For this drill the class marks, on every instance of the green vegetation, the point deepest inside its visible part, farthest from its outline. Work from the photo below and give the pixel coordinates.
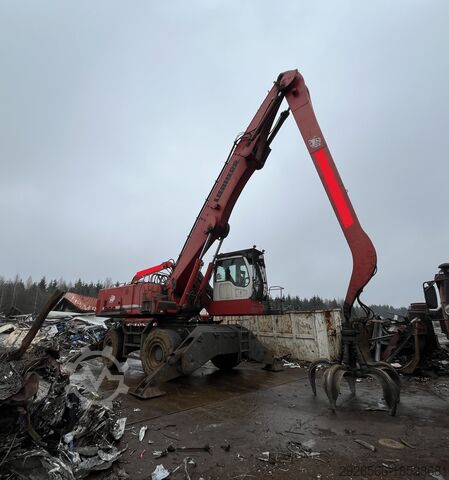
(315, 303)
(17, 297)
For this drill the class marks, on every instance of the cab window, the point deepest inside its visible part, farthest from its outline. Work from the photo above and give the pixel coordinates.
(232, 270)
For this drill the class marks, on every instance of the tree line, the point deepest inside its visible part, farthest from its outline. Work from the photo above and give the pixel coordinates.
(23, 297)
(295, 303)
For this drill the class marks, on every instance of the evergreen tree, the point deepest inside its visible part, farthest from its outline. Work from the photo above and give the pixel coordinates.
(43, 284)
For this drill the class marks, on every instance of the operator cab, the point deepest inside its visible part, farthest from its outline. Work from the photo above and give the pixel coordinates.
(240, 275)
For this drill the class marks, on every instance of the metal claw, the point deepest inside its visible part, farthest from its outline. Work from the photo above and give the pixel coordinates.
(392, 372)
(312, 371)
(331, 381)
(389, 387)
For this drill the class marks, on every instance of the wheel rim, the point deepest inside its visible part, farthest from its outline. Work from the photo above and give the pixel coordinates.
(113, 341)
(157, 354)
(109, 342)
(157, 347)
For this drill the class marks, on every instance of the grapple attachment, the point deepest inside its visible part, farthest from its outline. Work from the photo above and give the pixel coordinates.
(353, 365)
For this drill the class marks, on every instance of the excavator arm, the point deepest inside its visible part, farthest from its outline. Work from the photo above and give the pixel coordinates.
(249, 154)
(362, 249)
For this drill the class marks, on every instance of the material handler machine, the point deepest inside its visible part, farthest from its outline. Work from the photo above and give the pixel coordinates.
(158, 311)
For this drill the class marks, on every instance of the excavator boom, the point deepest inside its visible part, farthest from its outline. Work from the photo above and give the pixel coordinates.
(185, 289)
(250, 153)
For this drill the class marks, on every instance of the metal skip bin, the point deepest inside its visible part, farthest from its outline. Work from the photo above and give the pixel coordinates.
(305, 336)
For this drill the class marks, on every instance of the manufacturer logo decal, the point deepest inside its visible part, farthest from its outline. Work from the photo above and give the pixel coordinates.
(314, 142)
(226, 180)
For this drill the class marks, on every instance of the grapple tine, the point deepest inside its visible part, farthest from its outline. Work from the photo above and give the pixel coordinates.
(332, 378)
(326, 384)
(312, 372)
(392, 372)
(389, 388)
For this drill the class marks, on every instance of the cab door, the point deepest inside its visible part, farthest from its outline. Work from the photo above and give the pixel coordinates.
(233, 279)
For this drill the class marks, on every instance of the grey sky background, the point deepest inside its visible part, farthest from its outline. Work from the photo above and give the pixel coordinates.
(116, 118)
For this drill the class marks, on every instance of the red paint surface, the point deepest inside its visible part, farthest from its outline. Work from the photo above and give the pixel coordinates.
(333, 187)
(149, 271)
(236, 307)
(82, 302)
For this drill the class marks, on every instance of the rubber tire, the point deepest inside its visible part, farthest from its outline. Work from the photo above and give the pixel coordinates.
(156, 348)
(114, 338)
(227, 361)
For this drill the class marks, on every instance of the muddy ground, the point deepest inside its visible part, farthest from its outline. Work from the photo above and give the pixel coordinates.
(254, 411)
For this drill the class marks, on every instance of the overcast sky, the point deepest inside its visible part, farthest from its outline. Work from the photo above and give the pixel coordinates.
(116, 118)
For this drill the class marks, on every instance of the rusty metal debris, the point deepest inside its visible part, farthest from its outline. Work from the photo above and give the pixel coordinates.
(45, 426)
(294, 450)
(69, 333)
(364, 444)
(171, 448)
(204, 448)
(48, 428)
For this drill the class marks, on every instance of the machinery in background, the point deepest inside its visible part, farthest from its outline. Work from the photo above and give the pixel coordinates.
(412, 342)
(439, 310)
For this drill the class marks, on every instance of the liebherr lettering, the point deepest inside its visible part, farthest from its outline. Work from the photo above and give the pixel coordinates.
(226, 180)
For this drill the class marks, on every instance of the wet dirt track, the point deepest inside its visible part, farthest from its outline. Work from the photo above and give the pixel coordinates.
(255, 411)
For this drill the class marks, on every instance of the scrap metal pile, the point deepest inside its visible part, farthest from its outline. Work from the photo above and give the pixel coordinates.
(70, 332)
(50, 428)
(413, 345)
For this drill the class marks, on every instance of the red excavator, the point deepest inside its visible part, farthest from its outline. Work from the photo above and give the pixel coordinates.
(158, 311)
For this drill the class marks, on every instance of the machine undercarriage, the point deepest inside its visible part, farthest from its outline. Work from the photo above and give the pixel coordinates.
(172, 349)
